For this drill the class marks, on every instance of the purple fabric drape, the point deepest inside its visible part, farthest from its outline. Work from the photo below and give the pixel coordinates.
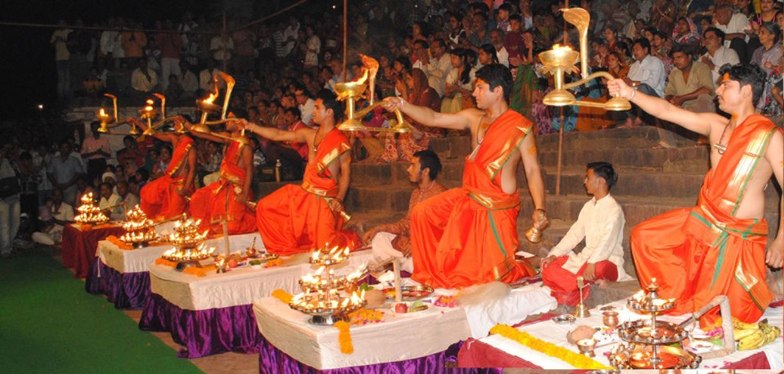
(203, 332)
(125, 290)
(274, 361)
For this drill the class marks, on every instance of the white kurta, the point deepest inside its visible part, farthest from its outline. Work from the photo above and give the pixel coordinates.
(600, 223)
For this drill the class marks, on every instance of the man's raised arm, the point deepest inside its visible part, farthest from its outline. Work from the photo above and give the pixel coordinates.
(277, 135)
(662, 109)
(429, 117)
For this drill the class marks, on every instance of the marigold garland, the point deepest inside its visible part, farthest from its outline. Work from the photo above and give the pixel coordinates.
(344, 337)
(165, 262)
(572, 358)
(119, 243)
(364, 316)
(281, 295)
(273, 263)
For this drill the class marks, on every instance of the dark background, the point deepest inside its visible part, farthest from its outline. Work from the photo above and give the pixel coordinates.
(27, 69)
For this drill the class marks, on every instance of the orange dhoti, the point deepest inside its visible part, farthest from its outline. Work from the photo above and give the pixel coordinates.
(468, 235)
(698, 253)
(296, 219)
(218, 201)
(159, 198)
(563, 283)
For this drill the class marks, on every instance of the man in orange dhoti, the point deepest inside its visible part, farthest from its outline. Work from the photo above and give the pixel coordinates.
(164, 197)
(227, 198)
(468, 235)
(718, 246)
(297, 219)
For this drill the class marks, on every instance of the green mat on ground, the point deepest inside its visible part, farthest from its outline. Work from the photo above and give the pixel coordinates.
(48, 323)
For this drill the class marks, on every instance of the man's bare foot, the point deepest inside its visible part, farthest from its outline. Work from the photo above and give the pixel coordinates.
(603, 283)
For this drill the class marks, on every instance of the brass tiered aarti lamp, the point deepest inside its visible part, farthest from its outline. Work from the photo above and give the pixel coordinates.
(207, 106)
(189, 247)
(139, 230)
(352, 91)
(651, 343)
(326, 296)
(89, 213)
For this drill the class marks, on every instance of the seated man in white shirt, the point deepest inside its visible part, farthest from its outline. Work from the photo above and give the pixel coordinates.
(600, 223)
(55, 214)
(717, 54)
(734, 25)
(646, 74)
(110, 203)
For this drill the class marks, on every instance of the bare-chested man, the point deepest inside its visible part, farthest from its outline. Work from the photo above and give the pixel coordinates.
(718, 246)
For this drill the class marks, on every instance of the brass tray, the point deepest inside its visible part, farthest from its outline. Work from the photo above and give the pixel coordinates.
(410, 293)
(671, 358)
(640, 332)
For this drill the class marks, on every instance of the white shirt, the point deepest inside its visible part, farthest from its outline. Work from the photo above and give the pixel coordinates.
(649, 71)
(722, 56)
(503, 56)
(306, 110)
(737, 24)
(600, 223)
(436, 72)
(113, 200)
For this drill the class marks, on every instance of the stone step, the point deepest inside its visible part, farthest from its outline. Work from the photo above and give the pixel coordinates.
(638, 137)
(685, 159)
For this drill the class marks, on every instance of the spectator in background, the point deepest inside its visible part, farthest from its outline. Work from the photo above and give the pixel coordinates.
(131, 154)
(144, 80)
(305, 105)
(95, 150)
(221, 47)
(646, 74)
(170, 44)
(62, 56)
(64, 170)
(734, 26)
(438, 66)
(133, 43)
(690, 84)
(717, 54)
(54, 215)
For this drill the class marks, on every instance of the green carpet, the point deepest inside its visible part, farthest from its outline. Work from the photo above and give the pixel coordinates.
(48, 323)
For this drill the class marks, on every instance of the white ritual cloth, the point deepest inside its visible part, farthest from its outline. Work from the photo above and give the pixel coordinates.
(239, 286)
(399, 337)
(138, 260)
(556, 334)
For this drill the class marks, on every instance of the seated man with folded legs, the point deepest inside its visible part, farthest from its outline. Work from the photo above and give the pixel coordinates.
(227, 199)
(393, 240)
(468, 235)
(717, 247)
(165, 197)
(296, 219)
(600, 223)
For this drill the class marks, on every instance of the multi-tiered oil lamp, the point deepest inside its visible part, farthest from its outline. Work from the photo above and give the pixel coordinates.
(139, 230)
(89, 213)
(326, 296)
(188, 242)
(651, 344)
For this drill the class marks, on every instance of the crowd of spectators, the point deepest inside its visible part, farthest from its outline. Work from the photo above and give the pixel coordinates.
(428, 52)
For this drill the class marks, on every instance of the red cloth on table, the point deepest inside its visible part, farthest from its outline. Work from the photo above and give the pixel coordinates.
(701, 252)
(159, 198)
(78, 247)
(210, 202)
(468, 235)
(563, 283)
(296, 219)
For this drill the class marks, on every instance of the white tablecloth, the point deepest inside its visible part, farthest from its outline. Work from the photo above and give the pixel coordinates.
(240, 286)
(399, 337)
(138, 260)
(556, 334)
